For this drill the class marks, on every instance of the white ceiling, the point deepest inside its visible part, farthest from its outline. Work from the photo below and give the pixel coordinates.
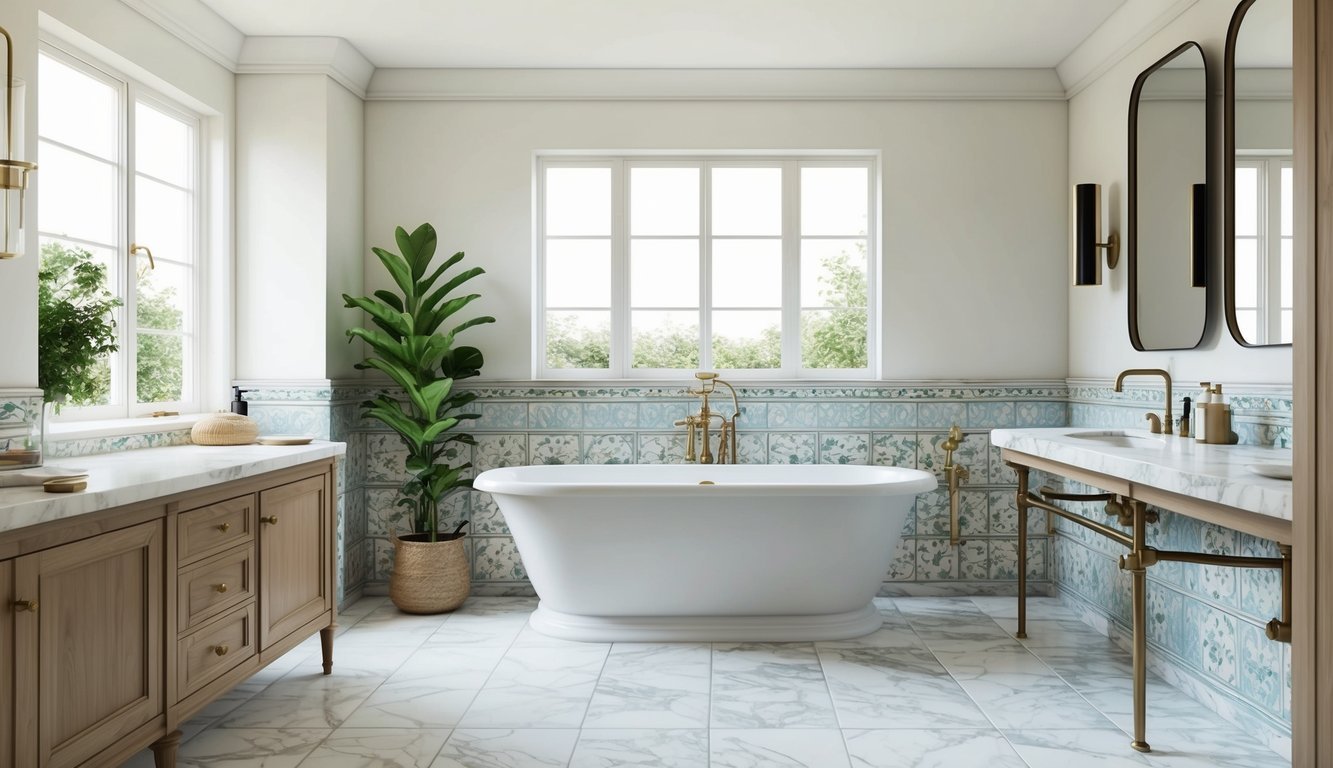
(686, 33)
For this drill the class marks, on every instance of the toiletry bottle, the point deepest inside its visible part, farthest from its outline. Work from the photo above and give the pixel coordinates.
(1184, 430)
(1219, 418)
(1201, 412)
(238, 404)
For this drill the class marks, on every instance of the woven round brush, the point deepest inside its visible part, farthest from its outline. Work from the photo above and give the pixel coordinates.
(224, 429)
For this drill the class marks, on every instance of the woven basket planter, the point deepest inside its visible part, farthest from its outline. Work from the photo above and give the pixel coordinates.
(429, 577)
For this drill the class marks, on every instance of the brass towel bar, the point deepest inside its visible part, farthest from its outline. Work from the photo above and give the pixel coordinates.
(1135, 515)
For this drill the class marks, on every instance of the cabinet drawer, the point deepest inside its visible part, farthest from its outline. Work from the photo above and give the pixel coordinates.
(207, 654)
(212, 586)
(208, 530)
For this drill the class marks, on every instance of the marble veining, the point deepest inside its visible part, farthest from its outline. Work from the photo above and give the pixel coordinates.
(129, 477)
(941, 685)
(1216, 473)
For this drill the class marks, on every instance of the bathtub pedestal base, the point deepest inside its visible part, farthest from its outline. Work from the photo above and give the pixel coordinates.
(609, 629)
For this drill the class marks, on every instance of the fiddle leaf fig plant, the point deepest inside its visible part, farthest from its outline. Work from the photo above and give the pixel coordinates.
(76, 326)
(409, 343)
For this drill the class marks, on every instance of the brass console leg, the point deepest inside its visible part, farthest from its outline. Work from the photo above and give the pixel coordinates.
(164, 750)
(1022, 551)
(1139, 572)
(326, 646)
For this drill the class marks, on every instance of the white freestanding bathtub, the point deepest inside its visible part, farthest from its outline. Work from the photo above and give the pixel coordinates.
(696, 552)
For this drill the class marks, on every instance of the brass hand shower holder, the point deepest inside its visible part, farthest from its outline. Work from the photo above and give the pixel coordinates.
(955, 476)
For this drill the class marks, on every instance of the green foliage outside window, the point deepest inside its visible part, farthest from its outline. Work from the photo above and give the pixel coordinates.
(829, 339)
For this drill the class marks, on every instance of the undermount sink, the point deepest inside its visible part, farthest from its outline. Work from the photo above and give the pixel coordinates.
(1120, 439)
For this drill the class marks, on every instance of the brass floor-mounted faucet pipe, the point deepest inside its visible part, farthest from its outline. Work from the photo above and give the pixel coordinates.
(955, 475)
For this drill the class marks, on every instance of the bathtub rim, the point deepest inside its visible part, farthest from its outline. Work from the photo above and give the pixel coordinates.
(883, 481)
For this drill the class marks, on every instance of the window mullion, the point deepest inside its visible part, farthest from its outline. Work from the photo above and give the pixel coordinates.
(621, 345)
(1273, 251)
(791, 268)
(705, 267)
(128, 283)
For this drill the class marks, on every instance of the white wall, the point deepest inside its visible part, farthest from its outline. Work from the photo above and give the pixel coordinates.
(346, 230)
(974, 213)
(1098, 133)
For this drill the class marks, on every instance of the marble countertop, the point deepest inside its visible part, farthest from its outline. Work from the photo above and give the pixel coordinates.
(1216, 473)
(128, 477)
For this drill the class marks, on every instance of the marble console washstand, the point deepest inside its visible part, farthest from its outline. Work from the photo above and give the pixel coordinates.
(1134, 469)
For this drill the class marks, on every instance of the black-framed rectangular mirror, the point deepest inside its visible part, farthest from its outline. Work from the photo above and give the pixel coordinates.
(1257, 138)
(1170, 141)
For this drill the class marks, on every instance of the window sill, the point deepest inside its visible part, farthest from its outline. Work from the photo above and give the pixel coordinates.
(80, 430)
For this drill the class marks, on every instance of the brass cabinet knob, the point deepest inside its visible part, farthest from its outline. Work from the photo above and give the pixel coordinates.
(26, 605)
(221, 588)
(221, 650)
(269, 520)
(224, 527)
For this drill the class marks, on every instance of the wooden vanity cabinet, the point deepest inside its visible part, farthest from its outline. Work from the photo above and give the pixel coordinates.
(119, 625)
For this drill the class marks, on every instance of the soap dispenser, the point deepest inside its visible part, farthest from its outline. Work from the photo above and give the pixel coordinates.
(238, 404)
(1201, 408)
(1219, 419)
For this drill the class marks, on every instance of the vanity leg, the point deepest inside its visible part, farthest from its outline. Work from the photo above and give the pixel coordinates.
(1022, 551)
(326, 646)
(1139, 572)
(164, 750)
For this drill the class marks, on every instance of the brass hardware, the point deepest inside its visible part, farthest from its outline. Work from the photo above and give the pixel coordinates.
(13, 173)
(707, 482)
(1050, 494)
(221, 650)
(135, 248)
(220, 588)
(1159, 425)
(1280, 629)
(224, 527)
(160, 414)
(955, 476)
(273, 520)
(25, 605)
(702, 422)
(1023, 502)
(1154, 423)
(1087, 216)
(1138, 570)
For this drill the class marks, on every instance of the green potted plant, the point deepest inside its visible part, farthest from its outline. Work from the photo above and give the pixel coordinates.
(407, 343)
(76, 326)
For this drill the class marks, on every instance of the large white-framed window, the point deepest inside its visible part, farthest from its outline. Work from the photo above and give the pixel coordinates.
(1263, 248)
(757, 267)
(121, 178)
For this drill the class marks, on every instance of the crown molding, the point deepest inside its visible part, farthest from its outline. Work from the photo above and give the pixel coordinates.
(195, 24)
(715, 85)
(1130, 26)
(331, 56)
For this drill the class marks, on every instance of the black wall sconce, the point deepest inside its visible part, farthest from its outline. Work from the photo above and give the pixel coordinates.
(1088, 234)
(1199, 235)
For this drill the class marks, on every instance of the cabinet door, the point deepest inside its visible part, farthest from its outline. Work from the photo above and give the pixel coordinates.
(90, 656)
(7, 609)
(295, 554)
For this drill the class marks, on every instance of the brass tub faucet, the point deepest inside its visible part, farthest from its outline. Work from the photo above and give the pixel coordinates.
(702, 422)
(1154, 422)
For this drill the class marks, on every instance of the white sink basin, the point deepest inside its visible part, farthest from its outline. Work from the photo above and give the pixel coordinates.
(1119, 438)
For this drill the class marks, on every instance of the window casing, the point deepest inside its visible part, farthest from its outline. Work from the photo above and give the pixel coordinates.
(1264, 248)
(761, 268)
(121, 167)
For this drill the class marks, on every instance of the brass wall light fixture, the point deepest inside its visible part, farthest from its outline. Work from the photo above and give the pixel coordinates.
(1088, 235)
(13, 173)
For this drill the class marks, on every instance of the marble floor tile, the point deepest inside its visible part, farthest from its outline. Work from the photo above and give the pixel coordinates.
(377, 748)
(506, 748)
(896, 688)
(479, 629)
(250, 748)
(1084, 748)
(1185, 747)
(915, 748)
(432, 690)
(1114, 698)
(1007, 607)
(308, 702)
(1016, 690)
(660, 748)
(787, 748)
(647, 685)
(538, 687)
(769, 685)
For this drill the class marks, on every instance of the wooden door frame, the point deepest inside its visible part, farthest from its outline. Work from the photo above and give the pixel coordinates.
(1312, 385)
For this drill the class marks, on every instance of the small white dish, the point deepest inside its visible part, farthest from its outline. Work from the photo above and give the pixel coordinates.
(1278, 471)
(283, 439)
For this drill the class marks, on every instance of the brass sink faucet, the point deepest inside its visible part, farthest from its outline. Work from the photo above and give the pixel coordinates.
(1155, 424)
